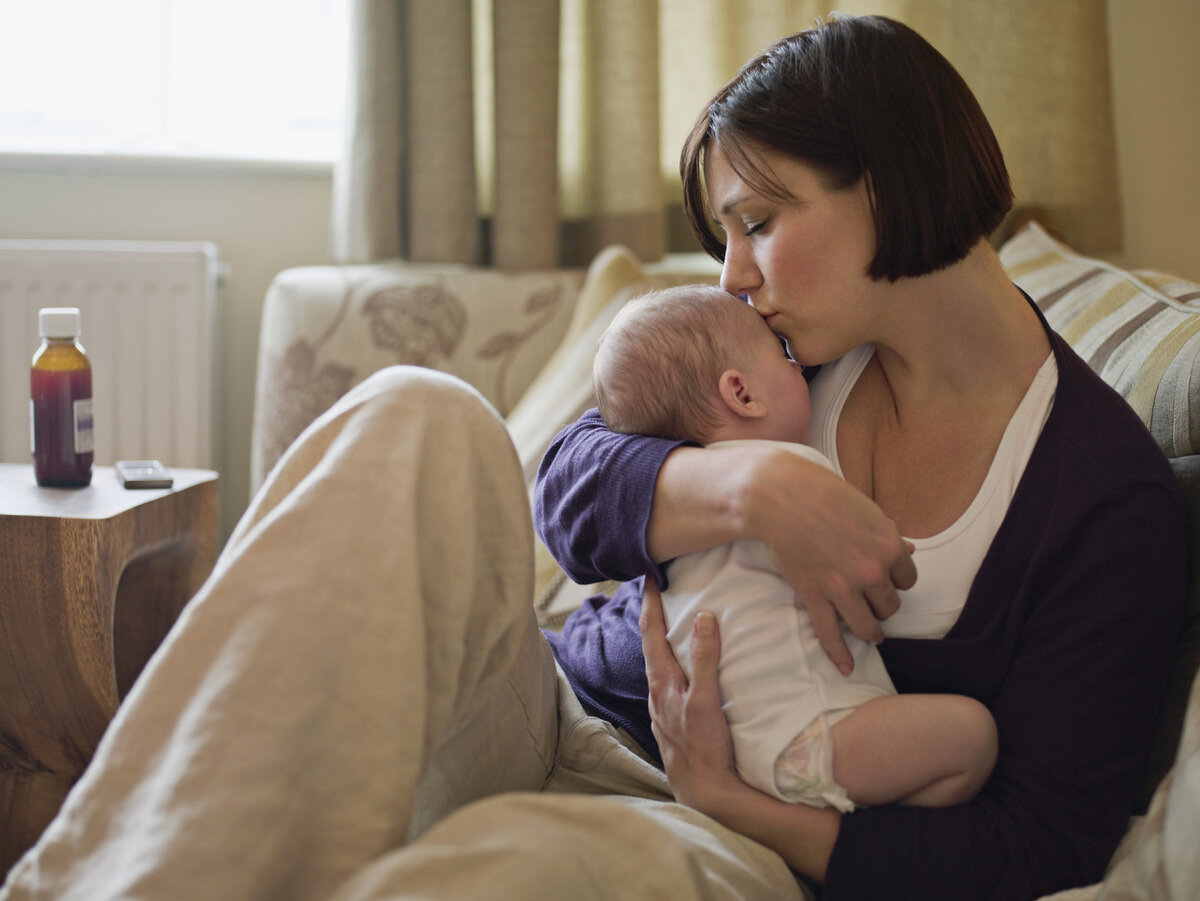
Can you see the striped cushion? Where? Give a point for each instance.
(1140, 331)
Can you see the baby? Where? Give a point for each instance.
(697, 363)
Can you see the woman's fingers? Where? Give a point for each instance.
(904, 571)
(686, 717)
(706, 655)
(827, 625)
(883, 600)
(838, 606)
(844, 558)
(661, 665)
(674, 698)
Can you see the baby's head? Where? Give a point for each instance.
(695, 362)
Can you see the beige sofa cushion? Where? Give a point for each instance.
(1139, 330)
(326, 328)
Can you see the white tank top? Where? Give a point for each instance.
(946, 562)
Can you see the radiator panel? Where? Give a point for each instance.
(148, 321)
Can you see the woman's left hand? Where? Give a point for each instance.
(689, 725)
(697, 748)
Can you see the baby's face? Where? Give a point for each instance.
(781, 386)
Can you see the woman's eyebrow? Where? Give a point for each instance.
(731, 204)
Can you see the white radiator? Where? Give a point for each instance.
(148, 325)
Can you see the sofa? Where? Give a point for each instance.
(525, 340)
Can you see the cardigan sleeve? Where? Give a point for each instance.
(1088, 633)
(593, 497)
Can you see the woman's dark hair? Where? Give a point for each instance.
(854, 97)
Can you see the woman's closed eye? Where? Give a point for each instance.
(756, 226)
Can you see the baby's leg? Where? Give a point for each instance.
(925, 750)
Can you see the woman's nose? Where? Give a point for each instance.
(738, 273)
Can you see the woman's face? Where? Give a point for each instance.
(802, 261)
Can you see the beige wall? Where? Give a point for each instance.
(1156, 95)
(264, 220)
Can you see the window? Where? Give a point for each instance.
(249, 79)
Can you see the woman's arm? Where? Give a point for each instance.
(612, 506)
(593, 497)
(843, 557)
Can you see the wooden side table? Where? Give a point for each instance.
(91, 580)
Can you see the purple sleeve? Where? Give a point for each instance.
(593, 497)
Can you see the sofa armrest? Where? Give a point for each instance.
(326, 328)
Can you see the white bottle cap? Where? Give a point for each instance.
(58, 322)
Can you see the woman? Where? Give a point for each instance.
(852, 180)
(363, 663)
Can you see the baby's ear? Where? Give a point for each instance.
(737, 396)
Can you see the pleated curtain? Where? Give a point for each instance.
(532, 133)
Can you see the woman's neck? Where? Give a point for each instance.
(958, 338)
(956, 352)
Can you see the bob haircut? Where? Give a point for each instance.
(853, 97)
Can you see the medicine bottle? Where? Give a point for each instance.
(60, 405)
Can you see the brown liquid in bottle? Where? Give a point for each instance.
(61, 407)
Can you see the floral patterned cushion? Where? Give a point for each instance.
(326, 328)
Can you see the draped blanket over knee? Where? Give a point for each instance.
(372, 605)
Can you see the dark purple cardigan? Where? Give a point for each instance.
(1066, 636)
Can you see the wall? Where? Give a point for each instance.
(1156, 98)
(265, 219)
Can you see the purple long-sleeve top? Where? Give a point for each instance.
(1066, 635)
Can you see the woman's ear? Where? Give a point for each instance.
(737, 396)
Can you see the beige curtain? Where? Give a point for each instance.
(531, 133)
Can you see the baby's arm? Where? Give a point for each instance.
(925, 750)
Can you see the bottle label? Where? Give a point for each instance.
(84, 441)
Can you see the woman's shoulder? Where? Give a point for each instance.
(1093, 440)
